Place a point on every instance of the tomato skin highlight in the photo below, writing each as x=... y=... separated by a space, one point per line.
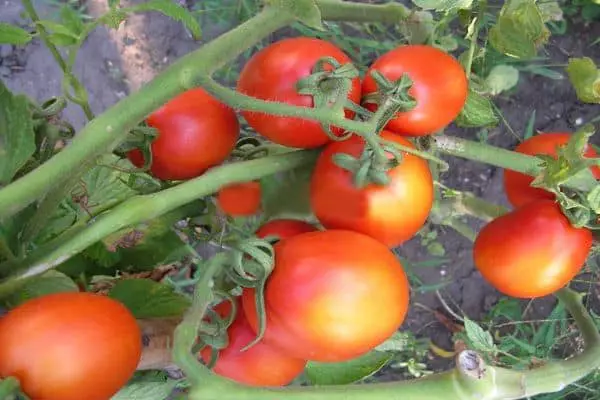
x=517 y=185
x=260 y=365
x=70 y=346
x=272 y=74
x=332 y=296
x=284 y=228
x=440 y=87
x=532 y=251
x=391 y=214
x=240 y=199
x=195 y=132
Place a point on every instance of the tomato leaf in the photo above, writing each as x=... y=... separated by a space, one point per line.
x=343 y=373
x=479 y=339
x=12 y=34
x=172 y=10
x=398 y=342
x=71 y=19
x=585 y=78
x=418 y=27
x=502 y=78
x=593 y=199
x=153 y=250
x=47 y=283
x=443 y=5
x=519 y=30
x=477 y=112
x=550 y=10
x=17 y=138
x=156 y=390
x=146 y=298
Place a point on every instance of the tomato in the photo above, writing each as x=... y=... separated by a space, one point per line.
x=517 y=185
x=260 y=365
x=195 y=132
x=70 y=346
x=391 y=214
x=284 y=228
x=272 y=74
x=332 y=296
x=440 y=87
x=240 y=199
x=531 y=251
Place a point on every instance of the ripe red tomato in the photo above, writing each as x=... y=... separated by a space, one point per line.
x=70 y=346
x=440 y=87
x=531 y=251
x=517 y=185
x=332 y=296
x=240 y=199
x=284 y=228
x=272 y=74
x=195 y=132
x=260 y=365
x=391 y=214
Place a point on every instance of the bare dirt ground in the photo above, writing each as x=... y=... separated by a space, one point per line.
x=113 y=64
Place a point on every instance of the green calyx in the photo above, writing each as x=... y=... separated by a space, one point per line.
x=391 y=98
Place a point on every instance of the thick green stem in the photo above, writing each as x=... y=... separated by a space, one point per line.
x=503 y=158
x=107 y=130
x=143 y=208
x=475 y=37
x=337 y=10
x=472 y=379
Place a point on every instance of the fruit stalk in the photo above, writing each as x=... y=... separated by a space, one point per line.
x=471 y=379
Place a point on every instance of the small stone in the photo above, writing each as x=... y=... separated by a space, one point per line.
x=5 y=50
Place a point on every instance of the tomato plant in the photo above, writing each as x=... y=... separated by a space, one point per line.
x=260 y=365
x=240 y=199
x=284 y=228
x=532 y=251
x=375 y=210
x=195 y=132
x=324 y=298
x=439 y=87
x=518 y=187
x=70 y=346
x=272 y=74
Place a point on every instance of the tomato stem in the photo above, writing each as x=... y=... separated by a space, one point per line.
x=8 y=387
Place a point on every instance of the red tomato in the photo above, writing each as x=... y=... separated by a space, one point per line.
x=284 y=228
x=195 y=132
x=70 y=346
x=260 y=365
x=440 y=87
x=272 y=74
x=391 y=214
x=517 y=185
x=332 y=296
x=531 y=251
x=240 y=199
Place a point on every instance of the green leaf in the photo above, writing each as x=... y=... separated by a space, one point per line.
x=151 y=251
x=480 y=340
x=12 y=34
x=47 y=283
x=146 y=298
x=398 y=342
x=287 y=194
x=146 y=391
x=477 y=112
x=58 y=39
x=61 y=29
x=593 y=198
x=173 y=10
x=114 y=18
x=502 y=78
x=530 y=126
x=443 y=5
x=550 y=10
x=71 y=19
x=418 y=27
x=585 y=78
x=520 y=29
x=343 y=373
x=99 y=254
x=17 y=138
x=114 y=3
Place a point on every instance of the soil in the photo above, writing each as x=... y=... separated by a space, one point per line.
x=114 y=63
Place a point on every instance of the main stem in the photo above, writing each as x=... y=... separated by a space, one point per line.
x=143 y=208
x=462 y=383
